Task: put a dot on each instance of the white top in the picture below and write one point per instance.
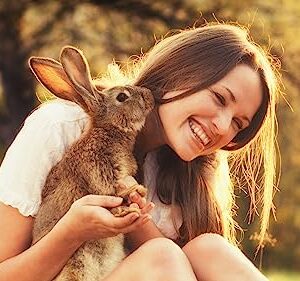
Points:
(41, 143)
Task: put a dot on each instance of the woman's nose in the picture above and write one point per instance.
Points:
(222, 124)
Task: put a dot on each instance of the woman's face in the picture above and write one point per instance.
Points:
(209, 119)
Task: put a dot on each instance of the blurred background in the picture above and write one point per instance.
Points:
(118, 29)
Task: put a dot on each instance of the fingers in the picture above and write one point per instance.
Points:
(141, 218)
(123, 222)
(104, 219)
(132, 220)
(148, 207)
(136, 224)
(138, 199)
(129, 223)
(90, 217)
(100, 200)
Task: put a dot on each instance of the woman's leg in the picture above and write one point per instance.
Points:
(213, 258)
(156, 260)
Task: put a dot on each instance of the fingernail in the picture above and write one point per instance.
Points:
(147, 218)
(134, 205)
(135, 216)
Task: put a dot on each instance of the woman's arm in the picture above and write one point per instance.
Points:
(138, 237)
(43, 261)
(39, 262)
(148, 231)
(14, 232)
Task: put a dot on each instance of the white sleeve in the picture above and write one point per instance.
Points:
(36, 149)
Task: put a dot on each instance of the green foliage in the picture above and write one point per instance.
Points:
(283, 275)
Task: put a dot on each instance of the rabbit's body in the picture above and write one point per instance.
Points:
(93, 164)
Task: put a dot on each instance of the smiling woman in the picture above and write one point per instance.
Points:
(196, 75)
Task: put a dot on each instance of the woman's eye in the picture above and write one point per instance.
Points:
(238, 124)
(220, 98)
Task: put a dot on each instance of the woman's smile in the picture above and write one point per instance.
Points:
(198, 132)
(193, 140)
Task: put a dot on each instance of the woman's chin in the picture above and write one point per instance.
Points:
(186, 152)
(187, 156)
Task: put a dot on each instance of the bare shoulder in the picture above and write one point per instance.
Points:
(15, 234)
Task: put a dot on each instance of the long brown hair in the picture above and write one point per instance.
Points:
(190, 61)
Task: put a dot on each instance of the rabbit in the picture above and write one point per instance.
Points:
(96, 162)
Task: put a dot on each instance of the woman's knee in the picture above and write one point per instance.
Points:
(163, 255)
(163, 251)
(213, 247)
(207, 245)
(157, 259)
(211, 255)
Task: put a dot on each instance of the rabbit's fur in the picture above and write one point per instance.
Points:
(94, 163)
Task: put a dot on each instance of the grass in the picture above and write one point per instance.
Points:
(283, 275)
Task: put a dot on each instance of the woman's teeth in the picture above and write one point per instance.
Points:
(199, 133)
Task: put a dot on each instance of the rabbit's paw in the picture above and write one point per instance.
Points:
(128, 185)
(122, 211)
(141, 190)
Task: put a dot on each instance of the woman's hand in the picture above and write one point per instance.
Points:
(135, 197)
(148, 231)
(145, 206)
(89, 218)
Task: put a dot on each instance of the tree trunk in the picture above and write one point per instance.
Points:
(17, 84)
(19, 100)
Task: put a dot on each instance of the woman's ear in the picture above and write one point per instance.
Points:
(230, 146)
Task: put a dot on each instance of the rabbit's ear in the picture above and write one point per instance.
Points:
(52, 76)
(78, 71)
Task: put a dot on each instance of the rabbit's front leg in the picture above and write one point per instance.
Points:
(124, 187)
(128, 185)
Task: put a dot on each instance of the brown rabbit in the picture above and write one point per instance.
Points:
(96, 162)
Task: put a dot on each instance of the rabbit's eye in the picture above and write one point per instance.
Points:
(122, 97)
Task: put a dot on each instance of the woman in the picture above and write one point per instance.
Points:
(215, 92)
